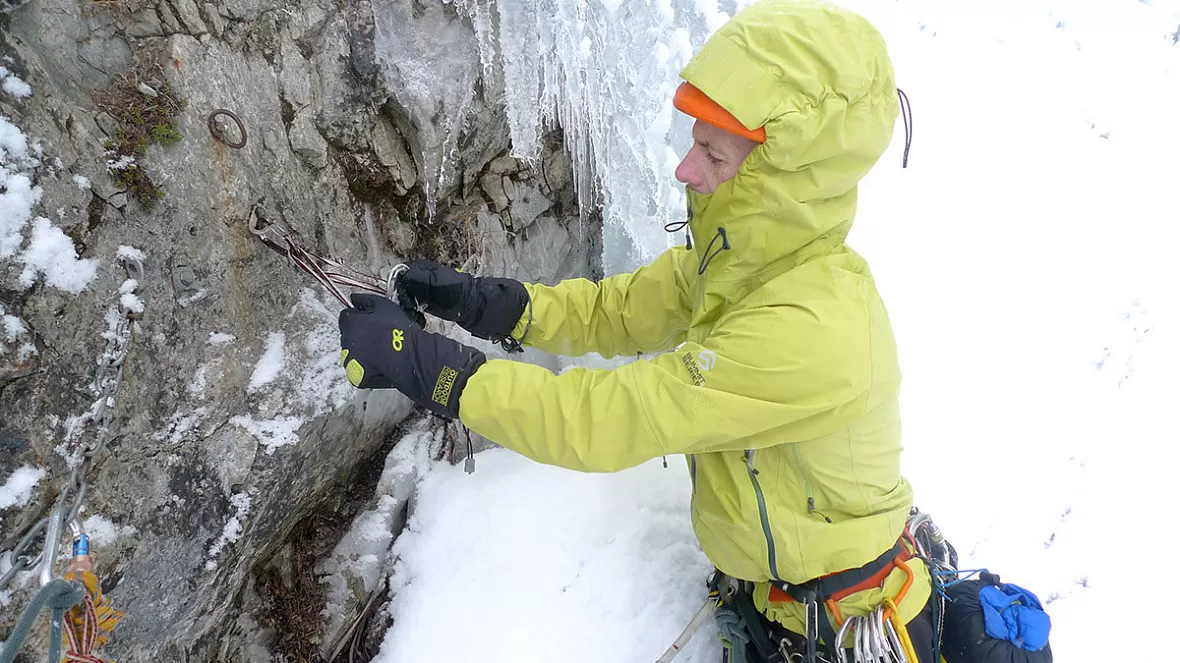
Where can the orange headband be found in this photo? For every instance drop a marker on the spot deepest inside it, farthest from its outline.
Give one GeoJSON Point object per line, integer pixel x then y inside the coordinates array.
{"type": "Point", "coordinates": [691, 101]}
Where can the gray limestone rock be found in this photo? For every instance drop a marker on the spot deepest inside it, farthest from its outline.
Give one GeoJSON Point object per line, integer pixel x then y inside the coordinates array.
{"type": "Point", "coordinates": [306, 140]}
{"type": "Point", "coordinates": [493, 185]}
{"type": "Point", "coordinates": [106, 123]}
{"type": "Point", "coordinates": [235, 425]}
{"type": "Point", "coordinates": [190, 16]}
{"type": "Point", "coordinates": [144, 23]}
{"type": "Point", "coordinates": [503, 164]}
{"type": "Point", "coordinates": [528, 202]}
{"type": "Point", "coordinates": [168, 19]}
{"type": "Point", "coordinates": [294, 74]}
{"type": "Point", "coordinates": [390, 149]}
{"type": "Point", "coordinates": [213, 19]}
{"type": "Point", "coordinates": [248, 10]}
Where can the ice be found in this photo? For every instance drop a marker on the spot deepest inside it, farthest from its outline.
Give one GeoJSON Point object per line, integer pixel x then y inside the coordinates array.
{"type": "Point", "coordinates": [362, 557]}
{"type": "Point", "coordinates": [435, 67]}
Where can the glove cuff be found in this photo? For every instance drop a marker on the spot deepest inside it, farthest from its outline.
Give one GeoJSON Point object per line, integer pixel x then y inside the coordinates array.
{"type": "Point", "coordinates": [502, 303]}
{"type": "Point", "coordinates": [451, 408]}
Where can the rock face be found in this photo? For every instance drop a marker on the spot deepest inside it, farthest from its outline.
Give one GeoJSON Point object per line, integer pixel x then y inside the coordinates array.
{"type": "Point", "coordinates": [240, 449]}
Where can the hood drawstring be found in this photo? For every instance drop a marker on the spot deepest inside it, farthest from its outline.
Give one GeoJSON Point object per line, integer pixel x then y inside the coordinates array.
{"type": "Point", "coordinates": [677, 226]}
{"type": "Point", "coordinates": [710, 254]}
{"type": "Point", "coordinates": [907, 117]}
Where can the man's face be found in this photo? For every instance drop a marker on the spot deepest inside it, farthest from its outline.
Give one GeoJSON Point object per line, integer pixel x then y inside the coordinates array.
{"type": "Point", "coordinates": [714, 158]}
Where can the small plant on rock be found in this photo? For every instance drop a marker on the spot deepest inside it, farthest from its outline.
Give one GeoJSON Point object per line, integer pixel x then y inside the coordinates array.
{"type": "Point", "coordinates": [145, 106]}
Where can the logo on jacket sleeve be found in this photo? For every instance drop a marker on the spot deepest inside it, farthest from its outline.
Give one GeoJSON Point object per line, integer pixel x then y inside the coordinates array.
{"type": "Point", "coordinates": [694, 370]}
{"type": "Point", "coordinates": [706, 360]}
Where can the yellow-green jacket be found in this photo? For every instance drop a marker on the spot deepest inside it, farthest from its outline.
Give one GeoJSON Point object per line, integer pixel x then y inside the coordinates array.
{"type": "Point", "coordinates": [782, 388]}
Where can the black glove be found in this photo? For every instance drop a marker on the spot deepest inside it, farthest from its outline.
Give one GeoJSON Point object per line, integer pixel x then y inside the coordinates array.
{"type": "Point", "coordinates": [383, 348]}
{"type": "Point", "coordinates": [487, 307]}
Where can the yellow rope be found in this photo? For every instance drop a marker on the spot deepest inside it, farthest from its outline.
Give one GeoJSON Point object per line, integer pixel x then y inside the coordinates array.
{"type": "Point", "coordinates": [903, 634]}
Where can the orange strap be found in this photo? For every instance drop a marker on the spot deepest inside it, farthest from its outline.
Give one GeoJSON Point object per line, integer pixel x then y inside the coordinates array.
{"type": "Point", "coordinates": [876, 580]}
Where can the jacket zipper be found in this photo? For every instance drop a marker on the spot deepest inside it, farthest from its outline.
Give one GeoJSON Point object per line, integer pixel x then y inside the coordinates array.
{"type": "Point", "coordinates": [807, 483]}
{"type": "Point", "coordinates": [692, 471]}
{"type": "Point", "coordinates": [762, 515]}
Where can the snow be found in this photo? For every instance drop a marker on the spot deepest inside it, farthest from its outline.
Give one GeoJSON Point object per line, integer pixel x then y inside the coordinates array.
{"type": "Point", "coordinates": [200, 380]}
{"type": "Point", "coordinates": [219, 338]}
{"type": "Point", "coordinates": [12, 330]}
{"type": "Point", "coordinates": [14, 85]}
{"type": "Point", "coordinates": [126, 252]}
{"type": "Point", "coordinates": [232, 530]}
{"type": "Point", "coordinates": [18, 195]}
{"type": "Point", "coordinates": [558, 565]}
{"type": "Point", "coordinates": [103, 532]}
{"type": "Point", "coordinates": [1026, 259]}
{"type": "Point", "coordinates": [270, 364]}
{"type": "Point", "coordinates": [82, 182]}
{"type": "Point", "coordinates": [180, 425]}
{"type": "Point", "coordinates": [271, 433]}
{"type": "Point", "coordinates": [122, 163]}
{"type": "Point", "coordinates": [127, 298]}
{"type": "Point", "coordinates": [18, 487]}
{"type": "Point", "coordinates": [322, 383]}
{"type": "Point", "coordinates": [51, 254]}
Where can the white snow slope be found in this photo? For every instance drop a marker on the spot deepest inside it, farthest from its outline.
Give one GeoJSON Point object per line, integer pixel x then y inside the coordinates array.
{"type": "Point", "coordinates": [1026, 258]}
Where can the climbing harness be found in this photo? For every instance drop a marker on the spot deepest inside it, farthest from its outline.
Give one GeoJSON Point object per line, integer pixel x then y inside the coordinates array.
{"type": "Point", "coordinates": [331, 274]}
{"type": "Point", "coordinates": [880, 637]}
{"type": "Point", "coordinates": [90, 614]}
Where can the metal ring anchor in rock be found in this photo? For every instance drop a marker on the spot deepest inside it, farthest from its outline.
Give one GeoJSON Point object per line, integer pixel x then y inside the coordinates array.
{"type": "Point", "coordinates": [215, 130]}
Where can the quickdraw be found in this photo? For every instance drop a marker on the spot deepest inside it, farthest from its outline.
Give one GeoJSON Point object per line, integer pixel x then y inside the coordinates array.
{"type": "Point", "coordinates": [331, 274]}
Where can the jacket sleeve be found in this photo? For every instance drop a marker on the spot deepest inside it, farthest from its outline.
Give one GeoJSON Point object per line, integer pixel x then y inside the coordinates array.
{"type": "Point", "coordinates": [645, 311]}
{"type": "Point", "coordinates": [765, 377]}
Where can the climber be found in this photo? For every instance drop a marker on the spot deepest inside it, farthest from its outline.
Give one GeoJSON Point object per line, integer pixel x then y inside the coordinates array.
{"type": "Point", "coordinates": [778, 375]}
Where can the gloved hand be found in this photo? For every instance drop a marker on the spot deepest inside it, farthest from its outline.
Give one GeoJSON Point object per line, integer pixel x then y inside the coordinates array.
{"type": "Point", "coordinates": [488, 308]}
{"type": "Point", "coordinates": [383, 348]}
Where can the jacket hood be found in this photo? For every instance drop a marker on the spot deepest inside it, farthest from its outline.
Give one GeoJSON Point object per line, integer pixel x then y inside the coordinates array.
{"type": "Point", "coordinates": [819, 79]}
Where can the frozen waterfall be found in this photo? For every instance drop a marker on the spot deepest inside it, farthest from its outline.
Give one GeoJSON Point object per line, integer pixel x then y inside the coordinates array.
{"type": "Point", "coordinates": [602, 70]}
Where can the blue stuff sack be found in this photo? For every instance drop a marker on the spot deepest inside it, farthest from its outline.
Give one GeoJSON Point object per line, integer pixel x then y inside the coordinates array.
{"type": "Point", "coordinates": [991, 622]}
{"type": "Point", "coordinates": [1014, 614]}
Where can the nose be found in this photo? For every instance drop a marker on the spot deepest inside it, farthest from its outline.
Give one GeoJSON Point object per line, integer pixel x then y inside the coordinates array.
{"type": "Point", "coordinates": [690, 172]}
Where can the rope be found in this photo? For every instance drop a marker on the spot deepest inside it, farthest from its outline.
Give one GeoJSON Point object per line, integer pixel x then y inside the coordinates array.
{"type": "Point", "coordinates": [90, 621]}
{"type": "Point", "coordinates": [693, 626]}
{"type": "Point", "coordinates": [733, 632]}
{"type": "Point", "coordinates": [57, 596]}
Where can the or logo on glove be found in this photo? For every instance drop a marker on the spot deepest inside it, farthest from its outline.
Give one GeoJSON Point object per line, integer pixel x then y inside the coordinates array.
{"type": "Point", "coordinates": [383, 348]}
